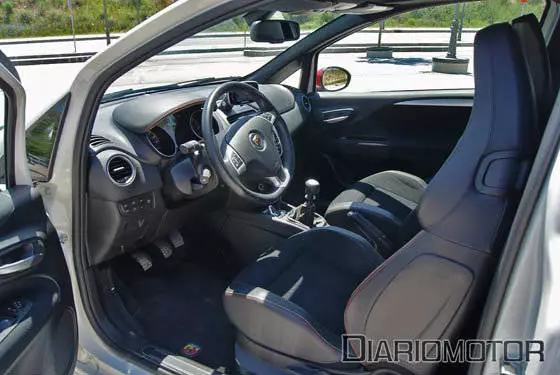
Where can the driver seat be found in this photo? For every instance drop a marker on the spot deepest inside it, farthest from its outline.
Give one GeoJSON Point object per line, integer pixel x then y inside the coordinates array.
{"type": "Point", "coordinates": [291, 306]}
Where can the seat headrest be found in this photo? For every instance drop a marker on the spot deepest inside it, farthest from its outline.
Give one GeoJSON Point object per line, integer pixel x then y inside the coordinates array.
{"type": "Point", "coordinates": [466, 200]}
{"type": "Point", "coordinates": [534, 50]}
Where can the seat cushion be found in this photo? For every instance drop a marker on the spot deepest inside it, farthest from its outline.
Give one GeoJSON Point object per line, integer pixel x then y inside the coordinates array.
{"type": "Point", "coordinates": [393, 191]}
{"type": "Point", "coordinates": [292, 299]}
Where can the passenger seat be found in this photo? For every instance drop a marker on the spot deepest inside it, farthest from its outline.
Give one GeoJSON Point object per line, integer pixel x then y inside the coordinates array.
{"type": "Point", "coordinates": [382, 207]}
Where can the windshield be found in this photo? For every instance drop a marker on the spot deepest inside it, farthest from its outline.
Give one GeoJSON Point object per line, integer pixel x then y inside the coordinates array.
{"type": "Point", "coordinates": [223, 50]}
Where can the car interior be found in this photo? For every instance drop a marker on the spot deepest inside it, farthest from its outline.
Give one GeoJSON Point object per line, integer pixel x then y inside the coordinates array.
{"type": "Point", "coordinates": [232, 225]}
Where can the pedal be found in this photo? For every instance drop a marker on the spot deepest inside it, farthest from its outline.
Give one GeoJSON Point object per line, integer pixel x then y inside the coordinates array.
{"type": "Point", "coordinates": [143, 260]}
{"type": "Point", "coordinates": [176, 239]}
{"type": "Point", "coordinates": [164, 247]}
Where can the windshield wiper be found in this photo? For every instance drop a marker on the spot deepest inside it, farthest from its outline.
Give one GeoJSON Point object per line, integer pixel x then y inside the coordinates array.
{"type": "Point", "coordinates": [150, 90]}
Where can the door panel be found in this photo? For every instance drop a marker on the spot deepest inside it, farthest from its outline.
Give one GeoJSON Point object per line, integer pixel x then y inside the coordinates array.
{"type": "Point", "coordinates": [37, 316]}
{"type": "Point", "coordinates": [355, 135]}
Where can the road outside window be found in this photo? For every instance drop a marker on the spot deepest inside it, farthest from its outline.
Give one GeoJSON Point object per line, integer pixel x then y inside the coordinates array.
{"type": "Point", "coordinates": [223, 50]}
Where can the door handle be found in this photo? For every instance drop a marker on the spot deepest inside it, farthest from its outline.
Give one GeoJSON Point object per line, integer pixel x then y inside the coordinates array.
{"type": "Point", "coordinates": [336, 120]}
{"type": "Point", "coordinates": [22, 257]}
{"type": "Point", "coordinates": [334, 116]}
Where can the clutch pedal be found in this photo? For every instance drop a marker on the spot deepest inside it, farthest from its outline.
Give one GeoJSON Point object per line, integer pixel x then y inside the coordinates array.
{"type": "Point", "coordinates": [143, 260]}
{"type": "Point", "coordinates": [164, 247]}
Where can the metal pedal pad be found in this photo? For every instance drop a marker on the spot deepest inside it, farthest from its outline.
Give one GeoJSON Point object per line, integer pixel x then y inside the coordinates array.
{"type": "Point", "coordinates": [176, 239]}
{"type": "Point", "coordinates": [165, 248]}
{"type": "Point", "coordinates": [143, 260]}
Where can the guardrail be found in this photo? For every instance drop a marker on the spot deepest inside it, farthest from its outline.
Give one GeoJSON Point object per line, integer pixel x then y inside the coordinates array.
{"type": "Point", "coordinates": [249, 51]}
{"type": "Point", "coordinates": [115, 36]}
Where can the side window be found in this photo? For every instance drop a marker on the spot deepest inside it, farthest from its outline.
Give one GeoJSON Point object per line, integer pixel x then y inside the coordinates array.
{"type": "Point", "coordinates": [40, 141]}
{"type": "Point", "coordinates": [408, 52]}
{"type": "Point", "coordinates": [294, 79]}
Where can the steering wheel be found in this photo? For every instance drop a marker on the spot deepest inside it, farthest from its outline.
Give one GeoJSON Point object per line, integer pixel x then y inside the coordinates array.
{"type": "Point", "coordinates": [254, 154]}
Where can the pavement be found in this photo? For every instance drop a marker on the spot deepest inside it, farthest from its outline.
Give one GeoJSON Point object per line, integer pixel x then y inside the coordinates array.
{"type": "Point", "coordinates": [405, 71]}
{"type": "Point", "coordinates": [205, 41]}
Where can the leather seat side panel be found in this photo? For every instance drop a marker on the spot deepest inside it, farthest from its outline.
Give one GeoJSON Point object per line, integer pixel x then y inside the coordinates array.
{"type": "Point", "coordinates": [425, 291]}
{"type": "Point", "coordinates": [259, 314]}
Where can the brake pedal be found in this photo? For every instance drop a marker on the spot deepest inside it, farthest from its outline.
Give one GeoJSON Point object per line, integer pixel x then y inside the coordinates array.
{"type": "Point", "coordinates": [143, 260]}
{"type": "Point", "coordinates": [165, 248]}
{"type": "Point", "coordinates": [176, 239]}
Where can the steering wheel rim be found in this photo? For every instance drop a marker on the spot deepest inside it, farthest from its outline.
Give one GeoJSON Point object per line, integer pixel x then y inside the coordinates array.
{"type": "Point", "coordinates": [246, 151]}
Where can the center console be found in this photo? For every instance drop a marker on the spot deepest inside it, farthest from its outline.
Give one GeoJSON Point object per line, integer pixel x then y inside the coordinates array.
{"type": "Point", "coordinates": [298, 217]}
{"type": "Point", "coordinates": [251, 233]}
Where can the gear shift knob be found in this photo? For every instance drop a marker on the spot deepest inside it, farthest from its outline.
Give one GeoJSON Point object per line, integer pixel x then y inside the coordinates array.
{"type": "Point", "coordinates": [312, 188]}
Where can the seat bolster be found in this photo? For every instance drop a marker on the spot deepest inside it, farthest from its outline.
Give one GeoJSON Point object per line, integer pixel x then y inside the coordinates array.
{"type": "Point", "coordinates": [274, 322]}
{"type": "Point", "coordinates": [384, 220]}
{"type": "Point", "coordinates": [392, 191]}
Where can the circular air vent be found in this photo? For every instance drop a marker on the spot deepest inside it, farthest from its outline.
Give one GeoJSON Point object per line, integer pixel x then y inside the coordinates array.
{"type": "Point", "coordinates": [121, 170]}
{"type": "Point", "coordinates": [306, 103]}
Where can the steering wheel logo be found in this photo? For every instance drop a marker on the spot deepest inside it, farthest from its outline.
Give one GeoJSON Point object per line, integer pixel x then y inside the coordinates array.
{"type": "Point", "coordinates": [257, 141]}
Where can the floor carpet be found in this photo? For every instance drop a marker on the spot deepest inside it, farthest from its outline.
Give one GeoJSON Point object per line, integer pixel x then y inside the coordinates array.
{"type": "Point", "coordinates": [179, 305]}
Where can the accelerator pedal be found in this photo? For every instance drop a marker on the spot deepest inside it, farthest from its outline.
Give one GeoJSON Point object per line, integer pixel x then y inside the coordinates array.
{"type": "Point", "coordinates": [143, 259]}
{"type": "Point", "coordinates": [165, 248]}
{"type": "Point", "coordinates": [176, 239]}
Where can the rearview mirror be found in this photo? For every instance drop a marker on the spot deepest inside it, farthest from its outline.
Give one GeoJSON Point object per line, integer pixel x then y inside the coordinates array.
{"type": "Point", "coordinates": [332, 78]}
{"type": "Point", "coordinates": [274, 31]}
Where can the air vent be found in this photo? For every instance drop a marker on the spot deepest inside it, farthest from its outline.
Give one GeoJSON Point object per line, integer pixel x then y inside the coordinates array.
{"type": "Point", "coordinates": [121, 170]}
{"type": "Point", "coordinates": [97, 141]}
{"type": "Point", "coordinates": [277, 142]}
{"type": "Point", "coordinates": [306, 103]}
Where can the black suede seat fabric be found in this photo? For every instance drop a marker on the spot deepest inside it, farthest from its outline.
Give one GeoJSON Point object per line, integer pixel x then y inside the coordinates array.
{"type": "Point", "coordinates": [303, 288]}
{"type": "Point", "coordinates": [394, 191]}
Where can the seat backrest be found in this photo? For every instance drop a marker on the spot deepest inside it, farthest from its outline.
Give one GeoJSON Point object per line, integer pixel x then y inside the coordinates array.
{"type": "Point", "coordinates": [430, 287]}
{"type": "Point", "coordinates": [534, 49]}
{"type": "Point", "coordinates": [535, 54]}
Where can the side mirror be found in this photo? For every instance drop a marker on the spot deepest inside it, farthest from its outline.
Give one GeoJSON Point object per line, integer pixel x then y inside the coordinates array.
{"type": "Point", "coordinates": [274, 31]}
{"type": "Point", "coordinates": [332, 79]}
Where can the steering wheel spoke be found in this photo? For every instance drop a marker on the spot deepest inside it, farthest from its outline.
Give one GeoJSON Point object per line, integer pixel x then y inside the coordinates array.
{"type": "Point", "coordinates": [279, 181]}
{"type": "Point", "coordinates": [233, 161]}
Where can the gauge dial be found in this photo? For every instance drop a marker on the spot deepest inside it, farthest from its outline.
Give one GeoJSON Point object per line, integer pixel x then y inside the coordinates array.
{"type": "Point", "coordinates": [161, 141]}
{"type": "Point", "coordinates": [195, 122]}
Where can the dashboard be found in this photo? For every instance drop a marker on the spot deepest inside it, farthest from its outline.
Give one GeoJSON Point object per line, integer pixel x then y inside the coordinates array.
{"type": "Point", "coordinates": [137, 144]}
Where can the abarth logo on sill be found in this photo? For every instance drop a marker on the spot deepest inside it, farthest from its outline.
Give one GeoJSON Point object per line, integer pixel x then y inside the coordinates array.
{"type": "Point", "coordinates": [191, 350]}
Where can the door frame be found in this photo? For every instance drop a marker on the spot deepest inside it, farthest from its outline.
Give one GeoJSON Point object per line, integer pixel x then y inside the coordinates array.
{"type": "Point", "coordinates": [17, 172]}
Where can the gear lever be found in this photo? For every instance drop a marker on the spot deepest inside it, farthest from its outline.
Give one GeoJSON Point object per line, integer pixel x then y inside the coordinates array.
{"type": "Point", "coordinates": [312, 188]}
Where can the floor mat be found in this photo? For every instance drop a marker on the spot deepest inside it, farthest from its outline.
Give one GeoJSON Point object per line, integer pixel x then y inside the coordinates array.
{"type": "Point", "coordinates": [180, 309]}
